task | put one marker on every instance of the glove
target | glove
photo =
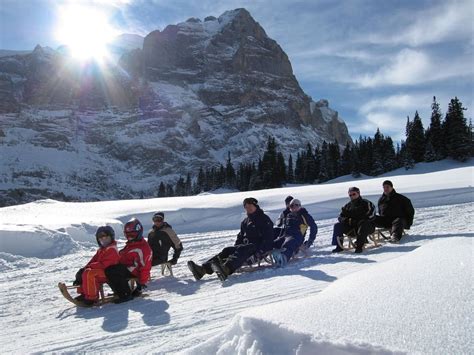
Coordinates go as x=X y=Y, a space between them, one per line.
x=138 y=290
x=78 y=280
x=307 y=244
x=172 y=261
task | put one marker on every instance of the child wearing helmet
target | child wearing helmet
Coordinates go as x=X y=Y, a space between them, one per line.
x=135 y=261
x=90 y=277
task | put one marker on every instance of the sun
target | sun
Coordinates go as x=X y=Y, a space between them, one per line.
x=85 y=31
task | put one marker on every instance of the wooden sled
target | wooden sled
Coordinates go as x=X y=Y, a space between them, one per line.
x=166 y=266
x=375 y=239
x=103 y=299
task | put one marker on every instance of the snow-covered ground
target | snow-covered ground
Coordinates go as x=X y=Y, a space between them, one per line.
x=412 y=297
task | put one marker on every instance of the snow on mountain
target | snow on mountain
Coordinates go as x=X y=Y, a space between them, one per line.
x=412 y=297
x=184 y=99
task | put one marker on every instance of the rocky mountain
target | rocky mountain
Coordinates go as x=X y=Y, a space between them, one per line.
x=194 y=92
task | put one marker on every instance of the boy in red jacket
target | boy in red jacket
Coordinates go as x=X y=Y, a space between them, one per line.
x=90 y=277
x=135 y=261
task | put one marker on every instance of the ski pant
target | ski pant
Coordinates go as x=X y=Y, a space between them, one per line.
x=363 y=229
x=232 y=257
x=118 y=276
x=288 y=244
x=92 y=279
x=396 y=225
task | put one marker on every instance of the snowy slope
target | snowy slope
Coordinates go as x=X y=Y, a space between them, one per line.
x=300 y=308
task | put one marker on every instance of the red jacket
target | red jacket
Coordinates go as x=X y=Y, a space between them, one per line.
x=104 y=257
x=136 y=256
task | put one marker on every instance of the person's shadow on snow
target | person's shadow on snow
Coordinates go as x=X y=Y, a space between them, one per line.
x=116 y=315
x=182 y=287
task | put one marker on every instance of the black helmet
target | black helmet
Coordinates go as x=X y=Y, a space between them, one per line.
x=288 y=199
x=251 y=201
x=107 y=230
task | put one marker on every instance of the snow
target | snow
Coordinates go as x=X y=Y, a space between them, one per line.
x=412 y=297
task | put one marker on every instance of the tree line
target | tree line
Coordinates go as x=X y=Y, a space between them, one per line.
x=450 y=136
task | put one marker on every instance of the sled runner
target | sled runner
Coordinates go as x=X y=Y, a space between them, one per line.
x=374 y=240
x=167 y=266
x=103 y=299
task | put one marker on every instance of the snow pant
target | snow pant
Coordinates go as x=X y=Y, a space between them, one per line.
x=118 y=276
x=288 y=244
x=396 y=225
x=92 y=279
x=231 y=257
x=362 y=230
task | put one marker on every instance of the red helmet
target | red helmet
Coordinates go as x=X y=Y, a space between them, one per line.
x=133 y=229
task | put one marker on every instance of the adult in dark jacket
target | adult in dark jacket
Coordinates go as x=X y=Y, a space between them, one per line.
x=395 y=212
x=296 y=224
x=357 y=215
x=280 y=222
x=255 y=237
x=161 y=239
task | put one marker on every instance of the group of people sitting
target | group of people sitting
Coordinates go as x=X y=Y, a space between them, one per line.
x=258 y=238
x=109 y=265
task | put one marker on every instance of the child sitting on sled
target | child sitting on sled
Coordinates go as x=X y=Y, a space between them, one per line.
x=90 y=277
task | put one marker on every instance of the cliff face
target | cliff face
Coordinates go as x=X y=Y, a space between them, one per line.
x=194 y=92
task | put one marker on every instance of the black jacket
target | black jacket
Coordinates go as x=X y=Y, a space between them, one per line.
x=280 y=222
x=357 y=211
x=161 y=240
x=396 y=205
x=256 y=228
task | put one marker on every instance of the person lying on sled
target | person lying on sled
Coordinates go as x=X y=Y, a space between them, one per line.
x=255 y=237
x=90 y=277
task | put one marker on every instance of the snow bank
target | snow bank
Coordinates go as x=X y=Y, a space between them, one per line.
x=415 y=303
x=30 y=241
x=255 y=337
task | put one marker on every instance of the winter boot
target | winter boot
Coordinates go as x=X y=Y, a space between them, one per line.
x=80 y=298
x=358 y=250
x=198 y=271
x=125 y=298
x=394 y=240
x=279 y=258
x=337 y=249
x=221 y=270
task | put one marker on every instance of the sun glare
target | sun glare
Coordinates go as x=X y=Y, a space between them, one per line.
x=85 y=31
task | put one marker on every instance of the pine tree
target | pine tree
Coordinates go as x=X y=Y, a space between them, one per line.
x=415 y=142
x=434 y=134
x=229 y=173
x=169 y=190
x=280 y=177
x=346 y=160
x=456 y=131
x=180 y=189
x=290 y=174
x=188 y=185
x=162 y=190
x=323 y=171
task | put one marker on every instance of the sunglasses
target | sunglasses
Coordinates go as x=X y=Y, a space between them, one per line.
x=353 y=194
x=295 y=205
x=103 y=235
x=156 y=219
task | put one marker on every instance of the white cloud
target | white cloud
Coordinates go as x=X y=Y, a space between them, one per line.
x=408 y=67
x=414 y=67
x=399 y=103
x=450 y=20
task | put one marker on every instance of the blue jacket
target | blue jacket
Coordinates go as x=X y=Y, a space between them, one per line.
x=256 y=228
x=297 y=223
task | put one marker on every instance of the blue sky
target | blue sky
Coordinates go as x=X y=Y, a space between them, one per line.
x=375 y=61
